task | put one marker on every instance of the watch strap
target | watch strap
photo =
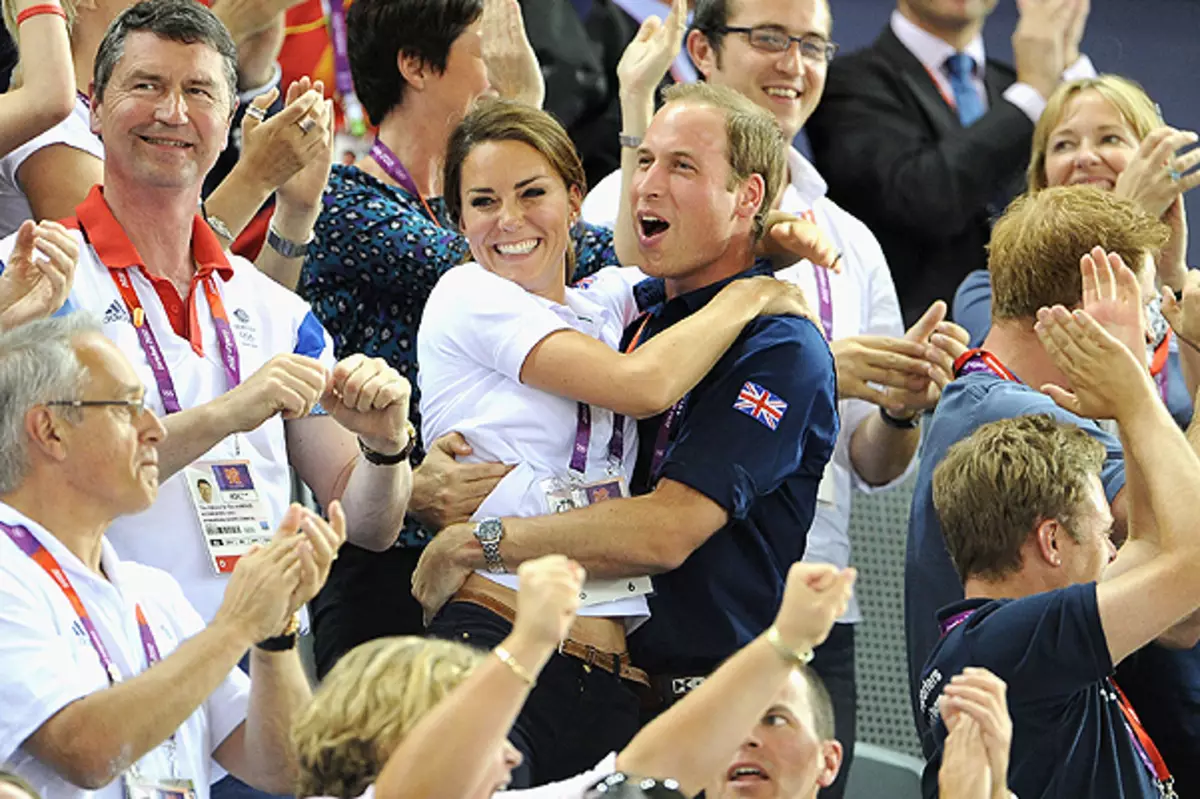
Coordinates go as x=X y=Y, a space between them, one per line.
x=286 y=247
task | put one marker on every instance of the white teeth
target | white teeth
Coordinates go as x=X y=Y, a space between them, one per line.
x=518 y=247
x=746 y=771
x=170 y=142
x=790 y=94
x=652 y=218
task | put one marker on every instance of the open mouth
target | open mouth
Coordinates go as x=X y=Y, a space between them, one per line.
x=652 y=226
x=517 y=249
x=746 y=774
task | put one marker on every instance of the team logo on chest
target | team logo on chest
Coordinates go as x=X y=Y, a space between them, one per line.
x=244 y=327
x=760 y=404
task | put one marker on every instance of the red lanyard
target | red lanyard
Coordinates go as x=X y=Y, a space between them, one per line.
x=42 y=557
x=1158 y=364
x=977 y=360
x=1146 y=749
x=153 y=352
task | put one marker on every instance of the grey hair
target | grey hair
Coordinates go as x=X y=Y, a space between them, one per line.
x=185 y=21
x=38 y=364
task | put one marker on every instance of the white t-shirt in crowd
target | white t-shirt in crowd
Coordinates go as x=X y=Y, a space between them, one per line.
x=475 y=334
x=74 y=131
x=266 y=319
x=47 y=660
x=863 y=300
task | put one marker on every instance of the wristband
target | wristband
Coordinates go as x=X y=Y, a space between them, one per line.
x=899 y=424
x=379 y=459
x=38 y=10
x=794 y=657
x=632 y=142
x=508 y=660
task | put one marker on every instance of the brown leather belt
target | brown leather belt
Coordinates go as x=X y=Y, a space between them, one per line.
x=613 y=662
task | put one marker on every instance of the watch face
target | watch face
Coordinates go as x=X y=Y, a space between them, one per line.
x=489 y=530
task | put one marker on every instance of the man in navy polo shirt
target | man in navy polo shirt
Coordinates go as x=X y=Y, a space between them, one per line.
x=728 y=478
x=1034 y=262
x=1051 y=607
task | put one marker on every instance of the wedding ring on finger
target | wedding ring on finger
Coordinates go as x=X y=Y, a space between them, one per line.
x=1174 y=174
x=254 y=111
x=306 y=124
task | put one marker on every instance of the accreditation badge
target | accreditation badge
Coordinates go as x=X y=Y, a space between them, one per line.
x=137 y=788
x=232 y=513
x=565 y=495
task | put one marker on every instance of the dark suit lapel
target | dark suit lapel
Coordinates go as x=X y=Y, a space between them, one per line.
x=918 y=80
x=996 y=79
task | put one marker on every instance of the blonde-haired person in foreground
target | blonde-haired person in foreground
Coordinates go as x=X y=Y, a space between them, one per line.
x=381 y=722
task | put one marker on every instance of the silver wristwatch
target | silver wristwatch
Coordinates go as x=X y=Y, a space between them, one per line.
x=488 y=533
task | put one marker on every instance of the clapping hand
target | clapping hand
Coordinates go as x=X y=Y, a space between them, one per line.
x=39 y=273
x=974 y=706
x=512 y=65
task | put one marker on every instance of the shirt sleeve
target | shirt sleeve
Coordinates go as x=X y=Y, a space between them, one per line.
x=1045 y=646
x=768 y=414
x=40 y=673
x=612 y=287
x=571 y=788
x=491 y=320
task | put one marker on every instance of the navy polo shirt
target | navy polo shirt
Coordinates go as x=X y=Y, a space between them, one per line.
x=764 y=475
x=1070 y=739
x=930 y=579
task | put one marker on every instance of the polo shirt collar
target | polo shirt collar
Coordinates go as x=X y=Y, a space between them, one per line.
x=114 y=249
x=962 y=606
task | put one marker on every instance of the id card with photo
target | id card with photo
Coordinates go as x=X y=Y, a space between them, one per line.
x=232 y=513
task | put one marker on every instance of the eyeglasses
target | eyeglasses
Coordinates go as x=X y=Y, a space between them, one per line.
x=136 y=406
x=814 y=48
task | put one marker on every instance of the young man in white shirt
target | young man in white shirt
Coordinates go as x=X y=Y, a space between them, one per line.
x=732 y=45
x=111 y=684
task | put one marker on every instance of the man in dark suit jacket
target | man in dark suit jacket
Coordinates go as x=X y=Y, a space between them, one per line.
x=927 y=155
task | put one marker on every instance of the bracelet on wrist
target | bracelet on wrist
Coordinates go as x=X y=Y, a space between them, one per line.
x=285 y=640
x=900 y=423
x=507 y=659
x=39 y=10
x=793 y=657
x=288 y=248
x=632 y=142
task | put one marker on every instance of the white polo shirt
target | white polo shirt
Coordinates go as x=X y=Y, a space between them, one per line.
x=266 y=319
x=864 y=303
x=47 y=660
x=475 y=334
x=74 y=131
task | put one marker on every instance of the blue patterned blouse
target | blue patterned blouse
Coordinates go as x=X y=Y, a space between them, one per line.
x=375 y=257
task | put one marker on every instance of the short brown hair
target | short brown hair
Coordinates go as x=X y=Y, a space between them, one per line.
x=507 y=120
x=1036 y=246
x=993 y=489
x=755 y=143
x=366 y=705
x=1126 y=96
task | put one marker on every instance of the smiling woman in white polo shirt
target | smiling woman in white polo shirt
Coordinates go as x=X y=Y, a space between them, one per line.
x=528 y=371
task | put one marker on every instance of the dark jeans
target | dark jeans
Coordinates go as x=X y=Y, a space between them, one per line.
x=834 y=663
x=573 y=718
x=368 y=595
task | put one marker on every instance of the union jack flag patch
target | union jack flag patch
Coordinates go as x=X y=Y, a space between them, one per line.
x=760 y=404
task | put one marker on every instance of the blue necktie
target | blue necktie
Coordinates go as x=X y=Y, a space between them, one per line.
x=970 y=105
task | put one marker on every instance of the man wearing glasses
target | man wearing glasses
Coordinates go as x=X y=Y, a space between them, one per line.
x=926 y=139
x=776 y=53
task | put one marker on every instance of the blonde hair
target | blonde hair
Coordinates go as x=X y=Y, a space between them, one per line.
x=1127 y=97
x=754 y=141
x=1034 y=253
x=367 y=703
x=993 y=489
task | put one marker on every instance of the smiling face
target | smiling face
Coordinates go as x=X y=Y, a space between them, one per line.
x=1091 y=144
x=1086 y=553
x=516 y=214
x=165 y=113
x=783 y=757
x=785 y=84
